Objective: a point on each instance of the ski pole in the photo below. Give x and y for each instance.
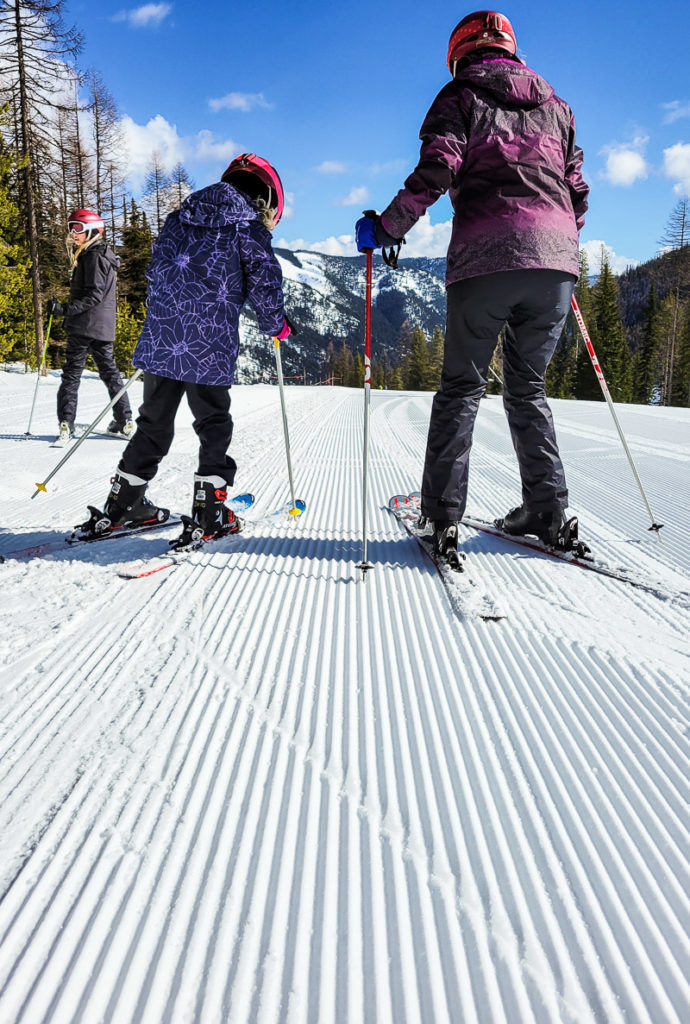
(364, 565)
(655, 527)
(70, 453)
(38, 375)
(295, 510)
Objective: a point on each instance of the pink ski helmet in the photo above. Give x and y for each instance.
(85, 220)
(255, 177)
(480, 30)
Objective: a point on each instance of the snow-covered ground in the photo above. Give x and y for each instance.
(257, 789)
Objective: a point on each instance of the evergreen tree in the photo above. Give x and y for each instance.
(135, 257)
(33, 58)
(417, 366)
(586, 385)
(681, 378)
(436, 346)
(612, 348)
(128, 326)
(357, 372)
(645, 360)
(676, 242)
(342, 366)
(15, 281)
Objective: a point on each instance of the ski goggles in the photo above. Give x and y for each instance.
(77, 228)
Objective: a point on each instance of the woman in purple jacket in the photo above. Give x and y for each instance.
(500, 141)
(212, 255)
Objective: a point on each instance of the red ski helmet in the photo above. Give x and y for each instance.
(255, 177)
(85, 220)
(480, 30)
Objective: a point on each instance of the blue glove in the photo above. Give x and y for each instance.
(365, 232)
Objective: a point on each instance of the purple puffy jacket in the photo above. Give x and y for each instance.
(503, 144)
(212, 254)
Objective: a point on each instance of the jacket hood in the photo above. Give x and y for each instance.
(511, 83)
(104, 250)
(217, 206)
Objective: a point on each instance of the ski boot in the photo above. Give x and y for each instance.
(125, 507)
(551, 526)
(210, 516)
(124, 429)
(444, 539)
(66, 432)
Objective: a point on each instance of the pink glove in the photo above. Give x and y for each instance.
(284, 331)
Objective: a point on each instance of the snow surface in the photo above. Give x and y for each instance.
(257, 789)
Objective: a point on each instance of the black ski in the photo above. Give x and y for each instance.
(467, 594)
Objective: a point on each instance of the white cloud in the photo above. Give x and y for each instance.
(677, 166)
(342, 245)
(391, 167)
(331, 167)
(143, 17)
(676, 109)
(617, 263)
(625, 163)
(427, 239)
(244, 101)
(355, 197)
(158, 134)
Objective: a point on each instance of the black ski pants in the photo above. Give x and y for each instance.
(78, 348)
(532, 306)
(153, 437)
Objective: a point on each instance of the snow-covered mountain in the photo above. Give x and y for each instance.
(324, 296)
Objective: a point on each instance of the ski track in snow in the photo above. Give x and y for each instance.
(257, 789)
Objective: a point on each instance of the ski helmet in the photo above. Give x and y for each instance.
(478, 31)
(85, 220)
(255, 177)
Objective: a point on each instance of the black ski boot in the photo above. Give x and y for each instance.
(125, 507)
(210, 515)
(551, 526)
(444, 538)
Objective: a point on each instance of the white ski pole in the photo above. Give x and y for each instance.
(38, 375)
(295, 510)
(655, 527)
(42, 486)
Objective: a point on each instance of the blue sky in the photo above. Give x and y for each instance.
(334, 96)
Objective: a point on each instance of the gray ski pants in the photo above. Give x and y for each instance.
(532, 306)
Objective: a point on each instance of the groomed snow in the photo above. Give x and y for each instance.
(257, 789)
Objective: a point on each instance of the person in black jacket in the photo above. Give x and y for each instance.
(90, 322)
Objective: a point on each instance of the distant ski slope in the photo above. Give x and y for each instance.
(260, 789)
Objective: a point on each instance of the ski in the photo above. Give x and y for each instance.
(583, 561)
(467, 595)
(170, 559)
(238, 503)
(71, 540)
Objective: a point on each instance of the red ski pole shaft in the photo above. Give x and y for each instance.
(607, 395)
(364, 565)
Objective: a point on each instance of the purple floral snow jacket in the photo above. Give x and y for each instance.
(212, 254)
(503, 144)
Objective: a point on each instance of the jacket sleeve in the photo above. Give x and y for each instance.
(579, 189)
(444, 142)
(263, 276)
(96, 276)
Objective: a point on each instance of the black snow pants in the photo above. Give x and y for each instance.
(153, 437)
(532, 306)
(78, 348)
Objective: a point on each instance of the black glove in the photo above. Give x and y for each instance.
(288, 321)
(382, 236)
(55, 308)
